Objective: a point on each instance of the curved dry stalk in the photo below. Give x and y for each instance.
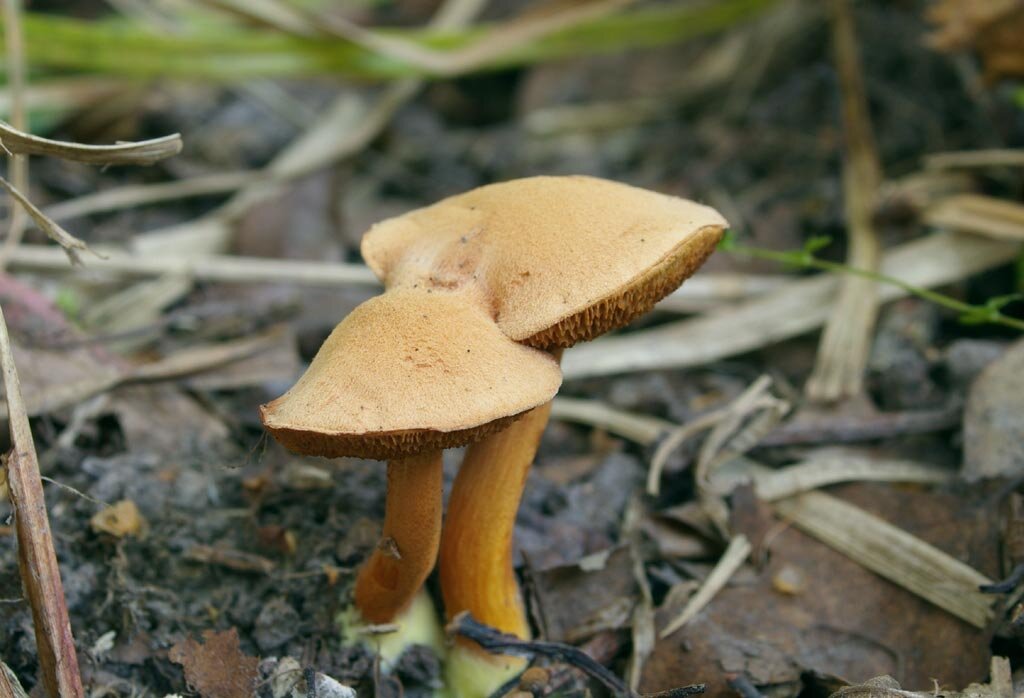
(846, 342)
(137, 153)
(16, 79)
(71, 245)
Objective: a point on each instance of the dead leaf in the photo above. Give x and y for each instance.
(849, 622)
(596, 593)
(1000, 685)
(119, 520)
(217, 668)
(992, 28)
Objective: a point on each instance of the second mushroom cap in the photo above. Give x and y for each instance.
(559, 259)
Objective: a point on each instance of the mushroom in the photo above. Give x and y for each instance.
(405, 375)
(559, 260)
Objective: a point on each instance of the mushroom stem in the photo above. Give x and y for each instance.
(476, 546)
(408, 547)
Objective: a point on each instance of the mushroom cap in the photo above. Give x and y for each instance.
(560, 259)
(407, 371)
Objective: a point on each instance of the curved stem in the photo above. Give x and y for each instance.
(476, 546)
(408, 547)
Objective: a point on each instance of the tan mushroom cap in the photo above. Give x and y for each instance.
(408, 371)
(560, 259)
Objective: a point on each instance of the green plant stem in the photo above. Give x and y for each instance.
(224, 52)
(807, 260)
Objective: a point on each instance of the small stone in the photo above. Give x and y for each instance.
(534, 680)
(789, 580)
(994, 419)
(277, 623)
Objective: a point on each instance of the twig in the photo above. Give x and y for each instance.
(676, 438)
(37, 561)
(16, 79)
(138, 153)
(71, 245)
(843, 352)
(497, 642)
(731, 560)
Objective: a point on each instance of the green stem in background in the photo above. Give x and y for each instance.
(116, 47)
(989, 313)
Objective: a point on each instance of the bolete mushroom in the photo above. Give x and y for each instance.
(405, 375)
(559, 260)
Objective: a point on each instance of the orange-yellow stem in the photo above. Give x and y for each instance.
(407, 551)
(476, 546)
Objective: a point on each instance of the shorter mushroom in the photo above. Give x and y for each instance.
(405, 375)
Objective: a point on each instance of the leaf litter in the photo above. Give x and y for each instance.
(733, 570)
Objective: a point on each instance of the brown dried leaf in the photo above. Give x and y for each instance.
(119, 520)
(575, 601)
(849, 622)
(992, 28)
(217, 668)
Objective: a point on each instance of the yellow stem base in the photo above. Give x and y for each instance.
(417, 625)
(472, 673)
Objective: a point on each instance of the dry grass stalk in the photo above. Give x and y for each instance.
(731, 560)
(795, 308)
(676, 438)
(220, 268)
(638, 428)
(994, 157)
(843, 351)
(997, 218)
(892, 553)
(132, 195)
(138, 153)
(61, 94)
(826, 467)
(10, 687)
(18, 169)
(72, 246)
(37, 561)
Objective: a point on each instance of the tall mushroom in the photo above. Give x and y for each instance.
(405, 375)
(560, 260)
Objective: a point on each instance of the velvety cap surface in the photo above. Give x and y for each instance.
(560, 259)
(409, 370)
